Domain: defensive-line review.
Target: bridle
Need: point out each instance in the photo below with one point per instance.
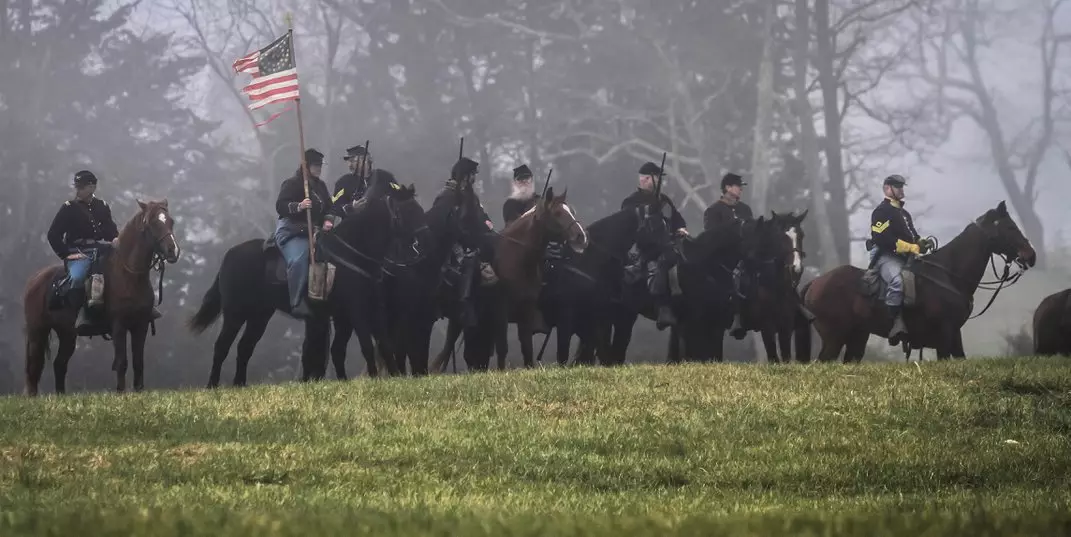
(1001, 280)
(158, 254)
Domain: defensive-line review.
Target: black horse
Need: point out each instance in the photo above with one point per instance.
(582, 289)
(251, 285)
(366, 283)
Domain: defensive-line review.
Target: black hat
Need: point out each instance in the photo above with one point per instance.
(85, 177)
(354, 151)
(895, 180)
(521, 172)
(313, 157)
(650, 168)
(731, 179)
(463, 168)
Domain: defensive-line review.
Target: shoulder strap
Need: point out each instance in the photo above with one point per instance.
(85, 210)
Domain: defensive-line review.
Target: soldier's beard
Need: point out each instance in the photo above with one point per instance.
(522, 190)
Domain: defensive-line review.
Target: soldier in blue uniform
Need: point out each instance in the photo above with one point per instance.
(291, 230)
(351, 187)
(728, 211)
(82, 227)
(892, 239)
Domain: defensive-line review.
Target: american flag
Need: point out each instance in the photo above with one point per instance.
(274, 73)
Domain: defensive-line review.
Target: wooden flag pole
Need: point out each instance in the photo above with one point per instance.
(301, 136)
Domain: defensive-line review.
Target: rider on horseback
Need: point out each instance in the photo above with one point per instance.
(660, 267)
(351, 187)
(291, 230)
(892, 239)
(729, 210)
(82, 226)
(462, 177)
(523, 196)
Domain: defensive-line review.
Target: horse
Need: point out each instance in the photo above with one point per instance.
(939, 301)
(405, 294)
(147, 239)
(778, 267)
(586, 287)
(1052, 325)
(250, 286)
(518, 261)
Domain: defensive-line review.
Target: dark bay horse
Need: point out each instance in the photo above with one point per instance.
(586, 288)
(248, 289)
(518, 261)
(1052, 325)
(945, 282)
(776, 268)
(146, 238)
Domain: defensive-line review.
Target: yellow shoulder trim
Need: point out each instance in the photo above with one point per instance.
(341, 191)
(395, 186)
(880, 227)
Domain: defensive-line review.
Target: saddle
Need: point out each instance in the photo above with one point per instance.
(872, 286)
(94, 285)
(274, 263)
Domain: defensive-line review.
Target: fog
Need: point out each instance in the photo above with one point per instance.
(969, 99)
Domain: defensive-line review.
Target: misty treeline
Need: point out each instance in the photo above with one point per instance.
(812, 99)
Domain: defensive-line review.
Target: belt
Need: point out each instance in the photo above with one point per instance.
(90, 242)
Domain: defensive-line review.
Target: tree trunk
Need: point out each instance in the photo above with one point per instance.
(838, 196)
(809, 139)
(760, 162)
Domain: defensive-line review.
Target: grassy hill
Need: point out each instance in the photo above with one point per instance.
(979, 447)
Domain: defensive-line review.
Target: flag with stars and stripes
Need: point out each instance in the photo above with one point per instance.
(274, 73)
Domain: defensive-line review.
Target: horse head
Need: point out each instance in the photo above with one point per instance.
(559, 221)
(409, 222)
(155, 224)
(1004, 237)
(791, 225)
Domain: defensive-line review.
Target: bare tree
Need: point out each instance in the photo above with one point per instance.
(948, 64)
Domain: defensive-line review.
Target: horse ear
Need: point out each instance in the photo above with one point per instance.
(164, 203)
(774, 213)
(761, 220)
(142, 204)
(564, 193)
(1002, 209)
(803, 215)
(550, 194)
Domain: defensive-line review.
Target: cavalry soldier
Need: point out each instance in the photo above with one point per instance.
(81, 228)
(658, 268)
(291, 230)
(892, 239)
(729, 210)
(462, 176)
(351, 187)
(523, 196)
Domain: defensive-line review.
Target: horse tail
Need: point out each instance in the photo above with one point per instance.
(211, 307)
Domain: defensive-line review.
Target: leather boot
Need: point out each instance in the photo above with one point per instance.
(899, 330)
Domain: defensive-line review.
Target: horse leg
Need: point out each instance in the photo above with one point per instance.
(957, 345)
(232, 324)
(119, 363)
(524, 334)
(67, 341)
(343, 331)
(564, 334)
(717, 344)
(254, 330)
(832, 343)
(314, 350)
(418, 343)
(453, 332)
(138, 333)
(36, 348)
(673, 350)
(855, 346)
(784, 340)
(769, 342)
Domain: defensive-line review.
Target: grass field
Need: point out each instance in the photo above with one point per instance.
(978, 447)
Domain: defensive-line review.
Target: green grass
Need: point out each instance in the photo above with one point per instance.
(979, 447)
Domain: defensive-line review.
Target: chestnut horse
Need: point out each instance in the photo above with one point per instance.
(146, 239)
(945, 281)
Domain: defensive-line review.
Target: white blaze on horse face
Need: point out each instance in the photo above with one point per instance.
(583, 233)
(162, 218)
(797, 263)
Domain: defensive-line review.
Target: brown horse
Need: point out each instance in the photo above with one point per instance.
(146, 238)
(518, 263)
(945, 282)
(1052, 325)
